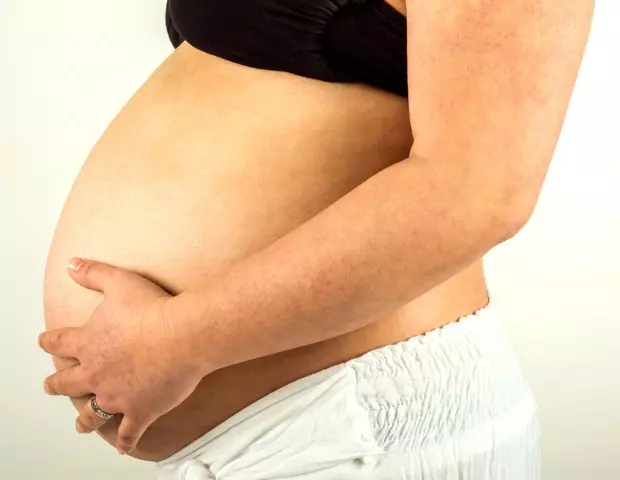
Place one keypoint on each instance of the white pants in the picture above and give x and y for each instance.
(448, 405)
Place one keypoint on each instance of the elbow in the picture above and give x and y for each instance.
(513, 211)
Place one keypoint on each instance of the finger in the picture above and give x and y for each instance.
(62, 342)
(70, 382)
(90, 273)
(130, 432)
(88, 420)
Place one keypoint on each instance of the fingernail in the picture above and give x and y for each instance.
(122, 451)
(75, 263)
(48, 389)
(79, 427)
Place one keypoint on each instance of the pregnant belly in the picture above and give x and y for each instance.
(206, 164)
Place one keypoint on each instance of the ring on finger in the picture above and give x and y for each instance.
(100, 413)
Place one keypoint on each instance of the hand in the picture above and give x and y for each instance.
(131, 355)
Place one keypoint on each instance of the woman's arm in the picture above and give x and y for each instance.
(490, 82)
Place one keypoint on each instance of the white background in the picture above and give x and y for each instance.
(68, 66)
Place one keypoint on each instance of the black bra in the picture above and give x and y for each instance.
(332, 40)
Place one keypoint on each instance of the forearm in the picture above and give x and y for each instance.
(403, 231)
(491, 88)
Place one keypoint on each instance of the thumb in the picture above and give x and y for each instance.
(90, 273)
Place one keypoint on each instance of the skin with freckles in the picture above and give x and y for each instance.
(401, 235)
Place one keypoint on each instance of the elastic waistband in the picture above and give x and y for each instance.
(404, 369)
(477, 339)
(452, 382)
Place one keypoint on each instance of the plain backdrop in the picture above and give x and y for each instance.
(68, 66)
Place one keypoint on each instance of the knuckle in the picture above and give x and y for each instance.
(89, 419)
(59, 339)
(50, 385)
(57, 382)
(51, 340)
(94, 420)
(116, 273)
(127, 440)
(81, 427)
(86, 267)
(104, 400)
(93, 380)
(107, 404)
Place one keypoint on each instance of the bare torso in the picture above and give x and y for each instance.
(209, 162)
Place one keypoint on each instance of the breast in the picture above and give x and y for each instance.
(331, 40)
(208, 163)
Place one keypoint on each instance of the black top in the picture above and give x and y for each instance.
(332, 40)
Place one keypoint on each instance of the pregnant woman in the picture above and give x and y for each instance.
(281, 239)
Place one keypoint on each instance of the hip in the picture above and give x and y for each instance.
(451, 403)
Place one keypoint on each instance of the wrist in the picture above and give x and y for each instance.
(188, 324)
